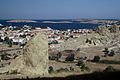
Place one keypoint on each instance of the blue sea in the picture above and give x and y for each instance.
(56, 26)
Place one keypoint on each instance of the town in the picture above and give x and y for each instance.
(20, 36)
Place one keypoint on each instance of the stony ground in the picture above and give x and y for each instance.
(89, 53)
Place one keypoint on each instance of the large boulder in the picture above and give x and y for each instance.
(35, 55)
(34, 60)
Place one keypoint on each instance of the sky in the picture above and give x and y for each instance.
(59, 9)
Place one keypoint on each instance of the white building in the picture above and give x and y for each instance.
(20, 40)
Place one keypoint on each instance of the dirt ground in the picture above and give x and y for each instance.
(89, 53)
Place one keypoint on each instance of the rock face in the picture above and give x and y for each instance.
(35, 55)
(34, 60)
(102, 30)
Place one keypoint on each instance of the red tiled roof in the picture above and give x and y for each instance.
(19, 38)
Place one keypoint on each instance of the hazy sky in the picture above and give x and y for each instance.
(59, 9)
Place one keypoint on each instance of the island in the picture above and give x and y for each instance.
(22, 21)
(56, 22)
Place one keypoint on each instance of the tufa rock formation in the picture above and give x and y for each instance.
(34, 60)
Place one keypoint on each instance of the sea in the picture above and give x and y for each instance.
(56, 26)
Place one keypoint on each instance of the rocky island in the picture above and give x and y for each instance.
(22, 21)
(56, 22)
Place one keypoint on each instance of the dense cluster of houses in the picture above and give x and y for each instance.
(57, 36)
(24, 34)
(20, 36)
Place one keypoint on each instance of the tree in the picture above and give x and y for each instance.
(54, 57)
(87, 40)
(59, 54)
(85, 68)
(96, 59)
(71, 68)
(23, 36)
(80, 62)
(106, 51)
(79, 58)
(6, 39)
(70, 57)
(112, 53)
(90, 41)
(55, 42)
(1, 40)
(50, 69)
(5, 56)
(10, 42)
(71, 36)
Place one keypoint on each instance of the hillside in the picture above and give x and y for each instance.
(102, 37)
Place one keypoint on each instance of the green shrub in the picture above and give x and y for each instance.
(106, 51)
(50, 70)
(10, 42)
(85, 68)
(109, 62)
(62, 69)
(112, 53)
(4, 57)
(78, 58)
(1, 40)
(90, 41)
(6, 39)
(96, 59)
(59, 54)
(71, 68)
(110, 69)
(66, 69)
(54, 42)
(54, 57)
(66, 61)
(80, 62)
(87, 40)
(23, 36)
(70, 57)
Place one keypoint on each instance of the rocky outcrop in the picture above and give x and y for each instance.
(35, 55)
(114, 29)
(104, 36)
(103, 31)
(34, 60)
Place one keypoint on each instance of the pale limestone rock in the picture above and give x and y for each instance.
(36, 55)
(34, 60)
